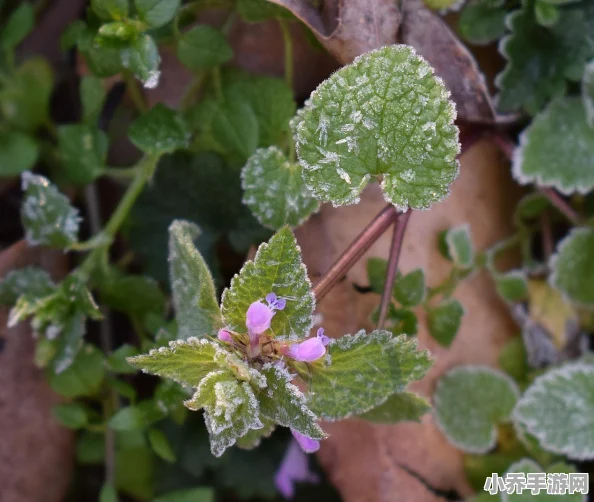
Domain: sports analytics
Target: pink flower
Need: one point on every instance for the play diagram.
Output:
(225, 336)
(258, 318)
(293, 469)
(308, 445)
(310, 349)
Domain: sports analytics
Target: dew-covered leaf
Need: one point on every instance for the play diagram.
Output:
(444, 321)
(194, 296)
(83, 151)
(573, 268)
(142, 58)
(92, 96)
(362, 371)
(409, 289)
(160, 130)
(384, 116)
(460, 248)
(32, 281)
(548, 158)
(274, 189)
(18, 25)
(71, 415)
(540, 59)
(203, 47)
(482, 21)
(18, 153)
(156, 13)
(512, 286)
(469, 403)
(397, 408)
(186, 362)
(558, 409)
(254, 436)
(83, 377)
(46, 214)
(285, 404)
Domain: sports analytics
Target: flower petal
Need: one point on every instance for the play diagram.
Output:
(224, 336)
(322, 337)
(258, 317)
(293, 469)
(308, 445)
(307, 351)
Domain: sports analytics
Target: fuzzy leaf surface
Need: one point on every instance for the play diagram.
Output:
(460, 247)
(444, 321)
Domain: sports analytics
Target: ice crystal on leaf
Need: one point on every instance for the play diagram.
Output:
(384, 116)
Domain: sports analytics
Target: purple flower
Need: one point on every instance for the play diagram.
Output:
(258, 318)
(225, 336)
(322, 337)
(293, 469)
(307, 351)
(308, 445)
(274, 302)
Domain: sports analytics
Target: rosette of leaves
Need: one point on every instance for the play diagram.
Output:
(243, 393)
(386, 117)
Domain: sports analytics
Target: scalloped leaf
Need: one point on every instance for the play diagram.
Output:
(46, 214)
(562, 161)
(384, 116)
(469, 402)
(397, 408)
(460, 247)
(274, 189)
(187, 362)
(160, 130)
(194, 296)
(277, 268)
(573, 268)
(482, 21)
(558, 409)
(362, 371)
(32, 281)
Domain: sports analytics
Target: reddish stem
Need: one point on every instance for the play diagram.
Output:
(357, 248)
(397, 238)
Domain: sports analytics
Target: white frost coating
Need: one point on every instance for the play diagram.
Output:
(153, 80)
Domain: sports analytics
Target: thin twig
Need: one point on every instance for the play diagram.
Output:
(288, 43)
(560, 204)
(358, 247)
(397, 238)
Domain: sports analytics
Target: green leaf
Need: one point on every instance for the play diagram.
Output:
(469, 402)
(160, 445)
(588, 92)
(135, 473)
(18, 153)
(108, 493)
(277, 268)
(83, 377)
(397, 408)
(402, 321)
(92, 96)
(230, 409)
(142, 58)
(138, 416)
(137, 295)
(376, 273)
(460, 248)
(71, 415)
(383, 116)
(83, 150)
(18, 25)
(285, 404)
(362, 371)
(120, 31)
(104, 60)
(24, 98)
(71, 34)
(256, 11)
(549, 159)
(194, 295)
(409, 289)
(186, 362)
(116, 361)
(444, 321)
(110, 9)
(512, 286)
(203, 47)
(46, 214)
(482, 21)
(70, 341)
(32, 281)
(539, 59)
(573, 268)
(558, 408)
(190, 495)
(254, 436)
(546, 14)
(514, 360)
(160, 130)
(156, 13)
(274, 190)
(90, 448)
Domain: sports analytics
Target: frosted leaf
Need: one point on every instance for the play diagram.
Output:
(384, 116)
(459, 244)
(397, 408)
(444, 321)
(409, 289)
(194, 297)
(274, 190)
(46, 214)
(284, 403)
(32, 281)
(160, 130)
(254, 437)
(230, 409)
(187, 362)
(362, 371)
(558, 409)
(588, 92)
(556, 149)
(142, 58)
(277, 268)
(512, 286)
(469, 402)
(573, 268)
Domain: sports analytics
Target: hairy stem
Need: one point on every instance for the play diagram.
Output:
(356, 249)
(397, 237)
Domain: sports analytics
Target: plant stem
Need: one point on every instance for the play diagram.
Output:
(397, 237)
(288, 42)
(560, 204)
(134, 91)
(356, 249)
